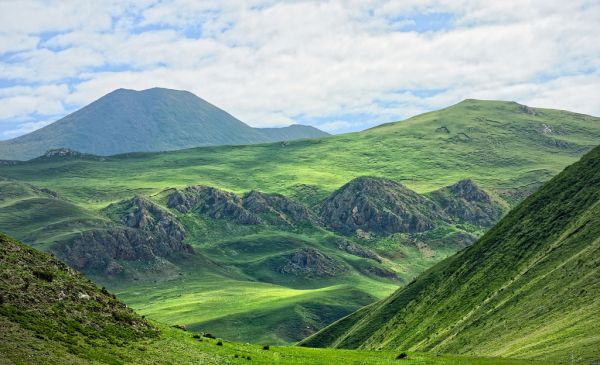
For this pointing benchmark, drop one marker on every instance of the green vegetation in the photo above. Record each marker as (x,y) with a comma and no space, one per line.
(296,270)
(59,317)
(527,289)
(150,120)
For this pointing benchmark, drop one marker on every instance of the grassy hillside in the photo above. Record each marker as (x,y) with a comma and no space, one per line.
(150,120)
(527,289)
(51,315)
(278,248)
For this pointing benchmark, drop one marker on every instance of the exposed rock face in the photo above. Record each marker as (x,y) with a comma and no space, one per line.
(254,208)
(378,205)
(146,231)
(381,272)
(467,202)
(311,263)
(356,250)
(62,152)
(278,209)
(213,202)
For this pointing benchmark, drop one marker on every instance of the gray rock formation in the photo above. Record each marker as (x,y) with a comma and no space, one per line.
(380,206)
(467,203)
(144,231)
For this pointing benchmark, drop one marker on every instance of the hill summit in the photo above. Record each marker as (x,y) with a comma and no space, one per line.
(156,119)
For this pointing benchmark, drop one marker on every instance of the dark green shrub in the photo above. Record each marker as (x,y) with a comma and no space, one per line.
(266,347)
(44,275)
(219,343)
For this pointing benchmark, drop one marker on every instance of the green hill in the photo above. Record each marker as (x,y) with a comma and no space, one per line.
(527,289)
(301,233)
(150,120)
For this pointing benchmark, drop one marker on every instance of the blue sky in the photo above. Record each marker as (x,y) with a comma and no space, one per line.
(341,66)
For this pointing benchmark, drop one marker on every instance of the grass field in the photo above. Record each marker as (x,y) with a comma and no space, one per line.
(177,347)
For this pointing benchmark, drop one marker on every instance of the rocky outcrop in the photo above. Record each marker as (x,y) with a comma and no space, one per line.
(144,231)
(252,209)
(213,202)
(354,249)
(467,203)
(277,209)
(309,263)
(378,205)
(379,271)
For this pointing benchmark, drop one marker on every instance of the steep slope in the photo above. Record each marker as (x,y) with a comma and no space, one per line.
(42,297)
(527,289)
(150,120)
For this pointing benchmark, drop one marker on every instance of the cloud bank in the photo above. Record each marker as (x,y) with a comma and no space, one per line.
(338,65)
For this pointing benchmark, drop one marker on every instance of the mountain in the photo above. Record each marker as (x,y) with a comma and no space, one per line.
(150,120)
(257,216)
(527,289)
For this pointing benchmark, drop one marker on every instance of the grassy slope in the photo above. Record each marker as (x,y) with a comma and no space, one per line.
(506,148)
(39,327)
(528,288)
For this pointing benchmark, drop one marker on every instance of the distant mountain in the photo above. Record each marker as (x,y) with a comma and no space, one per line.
(527,289)
(150,120)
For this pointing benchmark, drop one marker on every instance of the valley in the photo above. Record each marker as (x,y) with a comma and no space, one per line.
(50,314)
(299,182)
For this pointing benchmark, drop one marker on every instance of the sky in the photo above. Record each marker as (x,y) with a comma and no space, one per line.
(338,65)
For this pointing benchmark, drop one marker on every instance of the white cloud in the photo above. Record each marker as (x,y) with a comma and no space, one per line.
(18,102)
(25,128)
(335,126)
(267,62)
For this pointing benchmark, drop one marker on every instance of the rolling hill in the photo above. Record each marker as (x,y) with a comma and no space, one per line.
(527,289)
(303,232)
(150,120)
